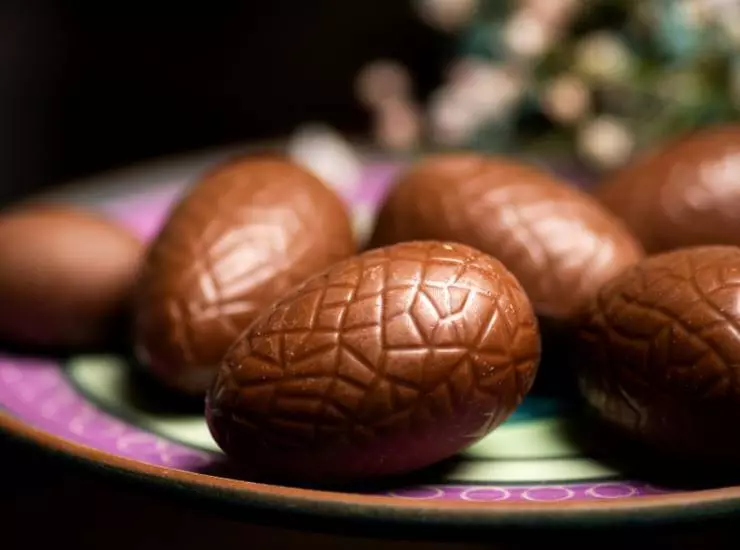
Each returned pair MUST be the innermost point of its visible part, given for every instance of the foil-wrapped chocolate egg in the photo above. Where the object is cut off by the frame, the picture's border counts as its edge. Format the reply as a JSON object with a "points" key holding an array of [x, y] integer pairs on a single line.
{"points": [[659, 351], [384, 363], [250, 230], [686, 193], [559, 242]]}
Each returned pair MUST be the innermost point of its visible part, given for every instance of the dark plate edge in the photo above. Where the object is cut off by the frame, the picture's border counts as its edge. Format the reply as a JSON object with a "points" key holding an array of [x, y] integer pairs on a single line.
{"points": [[373, 519]]}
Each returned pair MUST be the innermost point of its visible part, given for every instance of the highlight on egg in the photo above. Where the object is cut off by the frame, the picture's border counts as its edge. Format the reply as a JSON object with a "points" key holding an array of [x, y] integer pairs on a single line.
{"points": [[683, 193]]}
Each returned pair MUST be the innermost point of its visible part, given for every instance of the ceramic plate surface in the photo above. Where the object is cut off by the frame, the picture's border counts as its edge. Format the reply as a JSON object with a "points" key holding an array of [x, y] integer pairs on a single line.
{"points": [[534, 468]]}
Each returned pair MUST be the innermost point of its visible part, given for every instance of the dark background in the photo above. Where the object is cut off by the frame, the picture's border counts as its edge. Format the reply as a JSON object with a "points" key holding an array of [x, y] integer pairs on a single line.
{"points": [[87, 86]]}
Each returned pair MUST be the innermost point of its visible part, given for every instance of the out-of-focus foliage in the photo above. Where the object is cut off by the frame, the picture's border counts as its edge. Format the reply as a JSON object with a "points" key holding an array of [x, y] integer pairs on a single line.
{"points": [[595, 80]]}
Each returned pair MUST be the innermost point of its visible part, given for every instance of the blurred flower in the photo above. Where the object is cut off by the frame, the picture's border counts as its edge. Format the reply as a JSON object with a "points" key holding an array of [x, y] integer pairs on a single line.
{"points": [[451, 120], [587, 79], [602, 56], [685, 87], [488, 89], [695, 12], [680, 29], [735, 83], [731, 27], [552, 13], [605, 142], [398, 125], [720, 9], [325, 152], [381, 81], [527, 36], [446, 15], [645, 13], [566, 99]]}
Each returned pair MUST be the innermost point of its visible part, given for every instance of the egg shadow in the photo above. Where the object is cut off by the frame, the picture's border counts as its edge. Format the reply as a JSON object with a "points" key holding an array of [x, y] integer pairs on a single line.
{"points": [[115, 342], [28, 351], [637, 460], [556, 374], [147, 394], [612, 447]]}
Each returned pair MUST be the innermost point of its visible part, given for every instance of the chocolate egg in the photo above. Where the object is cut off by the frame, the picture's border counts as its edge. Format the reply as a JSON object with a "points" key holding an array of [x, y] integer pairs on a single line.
{"points": [[241, 237], [65, 275], [559, 242], [686, 193], [386, 362], [659, 348]]}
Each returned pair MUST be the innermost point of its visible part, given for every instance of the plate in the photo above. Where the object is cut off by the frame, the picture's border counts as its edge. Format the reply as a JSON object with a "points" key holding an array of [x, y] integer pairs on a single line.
{"points": [[542, 467]]}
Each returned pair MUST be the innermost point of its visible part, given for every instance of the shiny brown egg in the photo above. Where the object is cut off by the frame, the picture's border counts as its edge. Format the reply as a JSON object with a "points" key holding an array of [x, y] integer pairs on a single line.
{"points": [[560, 243], [244, 234], [658, 352], [384, 363], [65, 275], [685, 193]]}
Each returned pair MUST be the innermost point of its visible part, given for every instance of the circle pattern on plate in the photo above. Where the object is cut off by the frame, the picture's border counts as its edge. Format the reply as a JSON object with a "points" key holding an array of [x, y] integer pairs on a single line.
{"points": [[531, 457]]}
